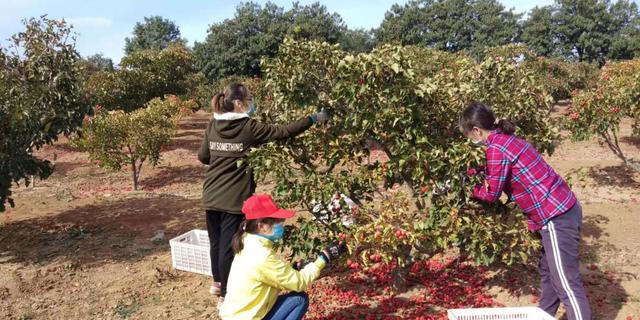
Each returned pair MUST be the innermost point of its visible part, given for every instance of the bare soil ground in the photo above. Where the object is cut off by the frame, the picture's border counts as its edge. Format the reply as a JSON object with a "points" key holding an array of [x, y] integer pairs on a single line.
{"points": [[79, 244]]}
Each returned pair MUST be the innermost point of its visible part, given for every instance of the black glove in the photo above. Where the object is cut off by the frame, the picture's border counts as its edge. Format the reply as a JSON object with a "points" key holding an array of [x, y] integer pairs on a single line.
{"points": [[333, 251], [300, 264]]}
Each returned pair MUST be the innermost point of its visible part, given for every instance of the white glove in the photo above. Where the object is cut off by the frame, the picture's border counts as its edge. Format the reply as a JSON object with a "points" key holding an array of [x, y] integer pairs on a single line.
{"points": [[322, 116]]}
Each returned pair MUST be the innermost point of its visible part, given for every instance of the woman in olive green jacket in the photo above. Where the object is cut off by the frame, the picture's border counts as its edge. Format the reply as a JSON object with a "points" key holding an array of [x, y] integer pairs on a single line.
{"points": [[228, 138]]}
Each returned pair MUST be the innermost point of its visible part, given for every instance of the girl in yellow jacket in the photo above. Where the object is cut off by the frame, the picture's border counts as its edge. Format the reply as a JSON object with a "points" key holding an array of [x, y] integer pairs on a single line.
{"points": [[257, 273]]}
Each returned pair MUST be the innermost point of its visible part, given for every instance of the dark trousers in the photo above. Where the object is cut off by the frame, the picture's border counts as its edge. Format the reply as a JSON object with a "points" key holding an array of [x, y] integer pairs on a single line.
{"points": [[559, 266], [221, 227]]}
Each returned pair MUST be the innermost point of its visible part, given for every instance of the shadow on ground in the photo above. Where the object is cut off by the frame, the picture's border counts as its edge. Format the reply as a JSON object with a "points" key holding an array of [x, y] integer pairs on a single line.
{"points": [[173, 175], [634, 141], [108, 231], [193, 124], [191, 145], [604, 287], [617, 176], [65, 167]]}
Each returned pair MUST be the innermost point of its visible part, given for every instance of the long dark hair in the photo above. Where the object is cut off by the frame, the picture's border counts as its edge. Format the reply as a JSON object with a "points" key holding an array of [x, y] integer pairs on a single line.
{"points": [[248, 226], [478, 115], [223, 102]]}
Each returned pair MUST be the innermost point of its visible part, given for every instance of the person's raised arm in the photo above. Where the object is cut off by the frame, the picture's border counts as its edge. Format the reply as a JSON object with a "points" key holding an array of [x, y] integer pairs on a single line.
{"points": [[267, 132]]}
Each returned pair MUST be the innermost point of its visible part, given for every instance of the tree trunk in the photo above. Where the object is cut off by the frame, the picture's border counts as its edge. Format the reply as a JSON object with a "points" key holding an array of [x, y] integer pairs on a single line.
{"points": [[134, 172], [401, 276], [612, 142]]}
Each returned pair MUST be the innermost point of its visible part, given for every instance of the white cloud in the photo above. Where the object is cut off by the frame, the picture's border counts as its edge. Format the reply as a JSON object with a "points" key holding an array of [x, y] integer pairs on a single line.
{"points": [[90, 22]]}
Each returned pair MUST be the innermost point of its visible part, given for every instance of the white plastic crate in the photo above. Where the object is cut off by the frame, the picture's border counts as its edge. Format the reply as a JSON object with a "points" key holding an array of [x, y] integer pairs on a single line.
{"points": [[522, 313], [190, 252]]}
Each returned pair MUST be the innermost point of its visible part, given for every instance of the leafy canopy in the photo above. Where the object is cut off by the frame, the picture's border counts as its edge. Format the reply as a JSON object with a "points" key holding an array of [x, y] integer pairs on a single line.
{"points": [[40, 98]]}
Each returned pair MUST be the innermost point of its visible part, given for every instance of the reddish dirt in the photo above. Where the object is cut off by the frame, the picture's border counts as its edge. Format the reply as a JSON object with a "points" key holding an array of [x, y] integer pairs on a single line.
{"points": [[78, 245]]}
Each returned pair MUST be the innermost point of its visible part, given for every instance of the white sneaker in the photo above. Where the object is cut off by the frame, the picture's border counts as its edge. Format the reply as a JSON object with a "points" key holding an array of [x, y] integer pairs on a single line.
{"points": [[220, 302]]}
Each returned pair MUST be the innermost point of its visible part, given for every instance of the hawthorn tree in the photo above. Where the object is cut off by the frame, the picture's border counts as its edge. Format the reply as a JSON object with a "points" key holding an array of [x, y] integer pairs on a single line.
{"points": [[599, 111], [557, 76], [39, 99], [142, 76], [118, 139], [404, 102]]}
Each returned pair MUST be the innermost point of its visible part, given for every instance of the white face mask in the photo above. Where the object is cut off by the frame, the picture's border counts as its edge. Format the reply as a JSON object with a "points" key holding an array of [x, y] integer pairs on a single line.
{"points": [[476, 143]]}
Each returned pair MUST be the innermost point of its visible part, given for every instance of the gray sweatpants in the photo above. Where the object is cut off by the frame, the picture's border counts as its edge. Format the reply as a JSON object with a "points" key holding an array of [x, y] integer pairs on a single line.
{"points": [[559, 266]]}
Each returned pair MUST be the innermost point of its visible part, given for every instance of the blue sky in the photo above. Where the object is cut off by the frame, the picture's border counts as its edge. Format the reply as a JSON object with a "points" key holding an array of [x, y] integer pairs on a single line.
{"points": [[103, 25]]}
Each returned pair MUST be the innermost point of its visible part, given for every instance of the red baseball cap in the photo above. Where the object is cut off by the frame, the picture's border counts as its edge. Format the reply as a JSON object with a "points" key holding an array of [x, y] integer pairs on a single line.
{"points": [[262, 206]]}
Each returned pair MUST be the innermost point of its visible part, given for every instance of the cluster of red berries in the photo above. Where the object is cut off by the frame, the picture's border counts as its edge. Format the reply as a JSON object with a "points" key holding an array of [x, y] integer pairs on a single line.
{"points": [[365, 293]]}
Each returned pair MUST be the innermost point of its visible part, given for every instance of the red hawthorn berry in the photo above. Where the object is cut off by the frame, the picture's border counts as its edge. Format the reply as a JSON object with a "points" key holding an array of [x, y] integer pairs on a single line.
{"points": [[615, 109], [425, 189], [472, 172], [375, 257]]}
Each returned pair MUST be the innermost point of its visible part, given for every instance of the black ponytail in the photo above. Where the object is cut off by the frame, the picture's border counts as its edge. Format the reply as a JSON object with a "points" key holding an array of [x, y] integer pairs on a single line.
{"points": [[506, 126], [223, 102], [479, 115], [248, 226], [236, 241]]}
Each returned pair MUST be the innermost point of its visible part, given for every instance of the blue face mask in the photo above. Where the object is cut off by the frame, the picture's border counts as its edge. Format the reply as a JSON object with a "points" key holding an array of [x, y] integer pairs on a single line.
{"points": [[278, 232], [252, 109]]}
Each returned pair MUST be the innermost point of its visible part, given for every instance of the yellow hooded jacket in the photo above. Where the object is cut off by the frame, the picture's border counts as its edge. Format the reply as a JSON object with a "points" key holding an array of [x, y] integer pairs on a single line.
{"points": [[258, 275]]}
